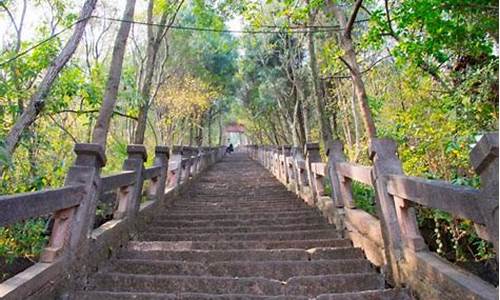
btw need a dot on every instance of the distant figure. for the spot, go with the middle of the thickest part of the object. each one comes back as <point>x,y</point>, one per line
<point>230,148</point>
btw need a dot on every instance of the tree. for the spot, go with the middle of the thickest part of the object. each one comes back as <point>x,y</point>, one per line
<point>154,42</point>
<point>37,101</point>
<point>349,59</point>
<point>324,126</point>
<point>101,127</point>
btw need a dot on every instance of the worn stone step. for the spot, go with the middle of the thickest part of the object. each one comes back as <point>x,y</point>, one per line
<point>287,198</point>
<point>223,245</point>
<point>255,236</point>
<point>321,284</point>
<point>310,286</point>
<point>248,211</point>
<point>387,294</point>
<point>165,222</point>
<point>208,256</point>
<point>92,295</point>
<point>248,201</point>
<point>238,229</point>
<point>281,270</point>
<point>199,284</point>
<point>236,216</point>
<point>240,206</point>
<point>225,194</point>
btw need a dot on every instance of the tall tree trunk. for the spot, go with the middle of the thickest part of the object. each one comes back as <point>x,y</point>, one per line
<point>221,132</point>
<point>37,101</point>
<point>349,58</point>
<point>191,129</point>
<point>356,124</point>
<point>154,42</point>
<point>324,126</point>
<point>101,128</point>
<point>209,129</point>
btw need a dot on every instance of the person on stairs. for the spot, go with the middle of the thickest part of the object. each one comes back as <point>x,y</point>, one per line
<point>230,149</point>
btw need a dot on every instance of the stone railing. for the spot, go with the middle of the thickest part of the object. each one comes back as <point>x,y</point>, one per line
<point>391,240</point>
<point>75,248</point>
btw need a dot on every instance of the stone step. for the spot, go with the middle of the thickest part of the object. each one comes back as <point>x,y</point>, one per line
<point>236,216</point>
<point>296,286</point>
<point>281,270</point>
<point>315,285</point>
<point>254,236</point>
<point>225,194</point>
<point>388,294</point>
<point>224,245</point>
<point>123,282</point>
<point>249,222</point>
<point>208,256</point>
<point>238,229</point>
<point>239,211</point>
<point>92,295</point>
<point>239,205</point>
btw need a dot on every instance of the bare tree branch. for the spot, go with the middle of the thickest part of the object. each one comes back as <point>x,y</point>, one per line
<point>352,19</point>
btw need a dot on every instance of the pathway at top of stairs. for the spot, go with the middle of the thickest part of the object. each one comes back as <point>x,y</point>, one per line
<point>239,234</point>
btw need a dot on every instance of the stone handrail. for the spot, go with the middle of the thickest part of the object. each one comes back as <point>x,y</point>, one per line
<point>19,207</point>
<point>112,182</point>
<point>74,247</point>
<point>391,239</point>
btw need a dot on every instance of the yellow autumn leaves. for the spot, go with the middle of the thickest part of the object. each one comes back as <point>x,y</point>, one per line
<point>185,97</point>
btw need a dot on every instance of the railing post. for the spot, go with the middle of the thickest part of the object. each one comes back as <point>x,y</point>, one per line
<point>386,162</point>
<point>156,189</point>
<point>313,156</point>
<point>484,159</point>
<point>285,152</point>
<point>175,172</point>
<point>335,153</point>
<point>186,153</point>
<point>72,226</point>
<point>129,197</point>
<point>275,157</point>
<point>200,157</point>
<point>299,177</point>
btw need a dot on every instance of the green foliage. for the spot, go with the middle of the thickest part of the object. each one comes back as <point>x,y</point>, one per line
<point>25,239</point>
<point>364,197</point>
<point>431,31</point>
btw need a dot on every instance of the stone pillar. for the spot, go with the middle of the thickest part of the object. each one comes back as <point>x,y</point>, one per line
<point>285,151</point>
<point>129,200</point>
<point>312,156</point>
<point>156,189</point>
<point>275,161</point>
<point>72,226</point>
<point>335,153</point>
<point>298,157</point>
<point>484,159</point>
<point>385,162</point>
<point>176,174</point>
<point>186,154</point>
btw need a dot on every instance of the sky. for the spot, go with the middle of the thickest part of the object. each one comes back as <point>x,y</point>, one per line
<point>37,15</point>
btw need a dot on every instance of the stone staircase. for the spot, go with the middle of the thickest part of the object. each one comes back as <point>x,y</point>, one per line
<point>239,234</point>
